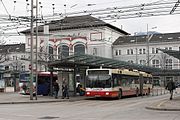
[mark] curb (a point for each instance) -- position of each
(35, 102)
(161, 106)
(162, 109)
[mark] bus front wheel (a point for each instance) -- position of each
(149, 91)
(120, 94)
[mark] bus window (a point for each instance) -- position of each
(123, 81)
(115, 81)
(119, 82)
(130, 81)
(133, 81)
(98, 81)
(145, 81)
(136, 81)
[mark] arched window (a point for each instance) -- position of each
(63, 51)
(79, 49)
(51, 53)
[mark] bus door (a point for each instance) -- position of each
(141, 82)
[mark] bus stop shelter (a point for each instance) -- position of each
(77, 64)
(91, 61)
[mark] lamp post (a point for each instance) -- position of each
(32, 33)
(147, 41)
(136, 48)
(36, 47)
(148, 38)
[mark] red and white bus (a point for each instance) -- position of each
(117, 82)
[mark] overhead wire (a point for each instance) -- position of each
(156, 8)
(17, 21)
(5, 7)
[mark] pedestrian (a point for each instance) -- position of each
(77, 83)
(65, 89)
(24, 87)
(56, 89)
(81, 91)
(78, 87)
(170, 86)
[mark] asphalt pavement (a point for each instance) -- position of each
(167, 104)
(10, 97)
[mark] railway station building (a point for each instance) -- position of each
(62, 43)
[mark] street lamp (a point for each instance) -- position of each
(135, 34)
(36, 47)
(148, 38)
(32, 48)
(32, 33)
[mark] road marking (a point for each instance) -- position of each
(160, 104)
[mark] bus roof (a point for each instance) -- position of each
(46, 73)
(144, 74)
(124, 72)
(40, 73)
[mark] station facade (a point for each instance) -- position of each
(69, 36)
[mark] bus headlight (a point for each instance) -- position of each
(88, 93)
(107, 93)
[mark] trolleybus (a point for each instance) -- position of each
(117, 82)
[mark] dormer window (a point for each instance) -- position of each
(170, 38)
(143, 37)
(132, 40)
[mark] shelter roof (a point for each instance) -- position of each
(96, 61)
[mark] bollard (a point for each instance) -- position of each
(157, 91)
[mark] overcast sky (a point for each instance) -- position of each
(163, 24)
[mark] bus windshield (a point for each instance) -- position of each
(25, 77)
(98, 79)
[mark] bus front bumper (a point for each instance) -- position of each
(102, 93)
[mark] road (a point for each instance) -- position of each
(132, 108)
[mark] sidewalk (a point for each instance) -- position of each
(166, 104)
(10, 97)
(16, 98)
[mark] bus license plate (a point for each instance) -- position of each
(97, 95)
